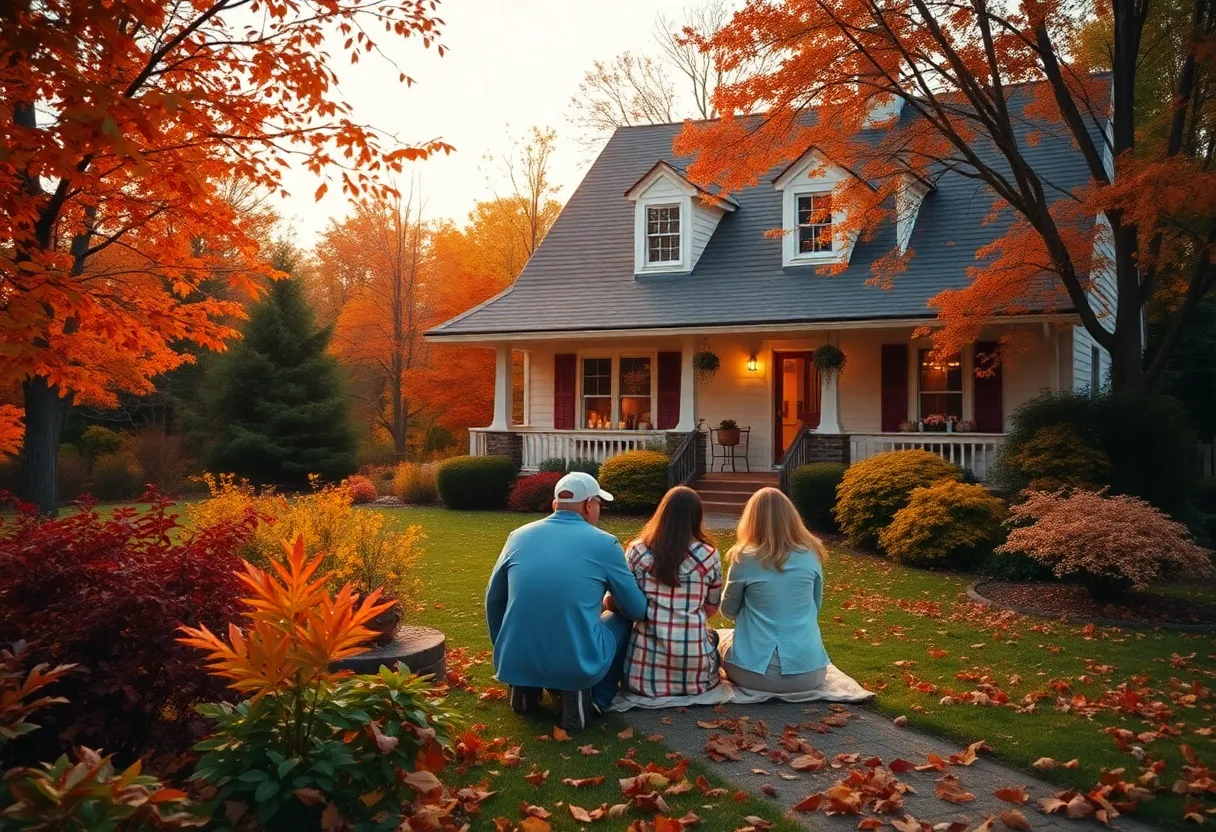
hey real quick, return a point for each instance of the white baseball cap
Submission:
(581, 486)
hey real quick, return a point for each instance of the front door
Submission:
(796, 396)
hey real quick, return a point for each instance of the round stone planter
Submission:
(421, 649)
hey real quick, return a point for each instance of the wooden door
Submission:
(795, 398)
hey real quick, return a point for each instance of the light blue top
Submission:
(776, 612)
(543, 603)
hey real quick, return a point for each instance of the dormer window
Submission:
(811, 220)
(814, 223)
(663, 235)
(674, 220)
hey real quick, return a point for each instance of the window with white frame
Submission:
(814, 223)
(940, 389)
(597, 393)
(634, 393)
(662, 234)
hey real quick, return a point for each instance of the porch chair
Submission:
(727, 453)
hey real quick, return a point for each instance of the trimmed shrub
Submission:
(117, 477)
(873, 490)
(1148, 441)
(637, 480)
(107, 593)
(813, 490)
(558, 465)
(414, 483)
(584, 465)
(96, 442)
(949, 522)
(1111, 543)
(475, 482)
(1057, 457)
(362, 489)
(534, 493)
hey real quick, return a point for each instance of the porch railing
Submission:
(975, 452)
(581, 444)
(688, 461)
(798, 454)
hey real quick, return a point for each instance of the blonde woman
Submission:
(774, 592)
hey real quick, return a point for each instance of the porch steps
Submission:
(727, 493)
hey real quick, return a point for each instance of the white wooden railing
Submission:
(975, 452)
(539, 445)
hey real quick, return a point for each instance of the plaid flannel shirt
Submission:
(670, 653)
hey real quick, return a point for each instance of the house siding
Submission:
(704, 221)
(540, 388)
(735, 393)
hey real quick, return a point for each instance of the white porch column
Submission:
(829, 398)
(502, 388)
(688, 389)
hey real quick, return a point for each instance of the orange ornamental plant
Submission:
(313, 747)
(900, 93)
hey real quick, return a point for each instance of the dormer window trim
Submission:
(686, 200)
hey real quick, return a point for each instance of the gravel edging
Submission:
(973, 592)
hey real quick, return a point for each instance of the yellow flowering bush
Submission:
(947, 522)
(414, 483)
(873, 490)
(1112, 543)
(360, 546)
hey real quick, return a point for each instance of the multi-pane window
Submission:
(597, 392)
(663, 234)
(635, 393)
(941, 385)
(814, 223)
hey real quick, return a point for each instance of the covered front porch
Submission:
(597, 396)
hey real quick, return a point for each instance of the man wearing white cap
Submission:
(544, 606)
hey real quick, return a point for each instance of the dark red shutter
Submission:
(894, 386)
(669, 390)
(989, 404)
(564, 367)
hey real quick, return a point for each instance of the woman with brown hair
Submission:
(774, 594)
(675, 562)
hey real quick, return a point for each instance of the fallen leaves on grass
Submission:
(536, 777)
(583, 782)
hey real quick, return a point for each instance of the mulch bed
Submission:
(1072, 602)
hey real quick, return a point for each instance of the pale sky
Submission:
(515, 62)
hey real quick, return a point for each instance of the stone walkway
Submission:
(870, 734)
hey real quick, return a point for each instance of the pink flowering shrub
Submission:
(1112, 543)
(362, 489)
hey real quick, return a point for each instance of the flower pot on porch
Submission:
(728, 436)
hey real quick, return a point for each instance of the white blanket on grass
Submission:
(837, 686)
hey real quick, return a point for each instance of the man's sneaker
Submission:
(525, 700)
(577, 707)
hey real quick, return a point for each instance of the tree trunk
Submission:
(45, 411)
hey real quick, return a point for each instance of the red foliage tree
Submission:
(119, 123)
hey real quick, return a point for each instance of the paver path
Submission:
(870, 734)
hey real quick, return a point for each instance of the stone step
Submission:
(728, 509)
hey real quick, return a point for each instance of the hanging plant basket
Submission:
(705, 364)
(829, 359)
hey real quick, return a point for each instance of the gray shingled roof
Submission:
(581, 277)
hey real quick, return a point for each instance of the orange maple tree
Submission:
(957, 70)
(119, 124)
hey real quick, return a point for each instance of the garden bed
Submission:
(1071, 602)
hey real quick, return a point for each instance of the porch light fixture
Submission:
(752, 364)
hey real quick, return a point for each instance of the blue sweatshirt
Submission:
(543, 603)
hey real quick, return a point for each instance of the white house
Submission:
(643, 270)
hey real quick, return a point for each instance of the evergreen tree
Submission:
(276, 397)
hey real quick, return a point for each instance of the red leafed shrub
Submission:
(1112, 543)
(361, 489)
(107, 593)
(534, 493)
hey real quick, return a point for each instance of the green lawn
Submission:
(876, 614)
